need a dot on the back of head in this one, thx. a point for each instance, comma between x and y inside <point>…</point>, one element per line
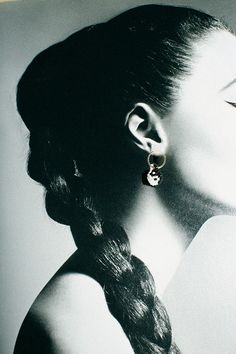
<point>137,55</point>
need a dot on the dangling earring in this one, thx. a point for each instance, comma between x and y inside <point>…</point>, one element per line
<point>76,173</point>
<point>153,176</point>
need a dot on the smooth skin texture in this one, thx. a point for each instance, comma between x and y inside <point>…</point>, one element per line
<point>201,297</point>
<point>201,128</point>
<point>70,316</point>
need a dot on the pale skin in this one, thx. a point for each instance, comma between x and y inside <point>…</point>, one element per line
<point>199,141</point>
<point>198,138</point>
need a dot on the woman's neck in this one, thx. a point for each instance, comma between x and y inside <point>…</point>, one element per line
<point>155,237</point>
<point>161,230</point>
<point>160,222</point>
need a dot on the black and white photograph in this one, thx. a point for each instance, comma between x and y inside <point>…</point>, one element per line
<point>118,177</point>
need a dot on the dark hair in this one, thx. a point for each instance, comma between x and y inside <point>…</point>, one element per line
<point>69,90</point>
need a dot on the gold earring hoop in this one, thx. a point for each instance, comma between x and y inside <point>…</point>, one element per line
<point>158,161</point>
<point>152,177</point>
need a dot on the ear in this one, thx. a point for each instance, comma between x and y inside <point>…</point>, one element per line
<point>146,129</point>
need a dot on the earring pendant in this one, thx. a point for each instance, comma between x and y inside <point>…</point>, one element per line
<point>153,177</point>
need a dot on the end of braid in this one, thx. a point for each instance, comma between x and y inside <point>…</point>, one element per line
<point>134,303</point>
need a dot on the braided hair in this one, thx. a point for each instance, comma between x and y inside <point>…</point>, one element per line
<point>64,96</point>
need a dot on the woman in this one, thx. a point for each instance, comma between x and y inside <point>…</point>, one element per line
<point>143,86</point>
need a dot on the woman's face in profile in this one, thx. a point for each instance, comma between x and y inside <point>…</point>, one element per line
<point>202,126</point>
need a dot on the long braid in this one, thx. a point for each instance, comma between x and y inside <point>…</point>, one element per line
<point>127,283</point>
<point>128,286</point>
<point>105,255</point>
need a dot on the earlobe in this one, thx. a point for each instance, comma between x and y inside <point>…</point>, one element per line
<point>145,129</point>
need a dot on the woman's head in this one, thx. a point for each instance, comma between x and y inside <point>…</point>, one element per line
<point>83,94</point>
<point>100,101</point>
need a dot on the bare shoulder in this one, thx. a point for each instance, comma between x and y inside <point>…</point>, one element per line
<point>71,316</point>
